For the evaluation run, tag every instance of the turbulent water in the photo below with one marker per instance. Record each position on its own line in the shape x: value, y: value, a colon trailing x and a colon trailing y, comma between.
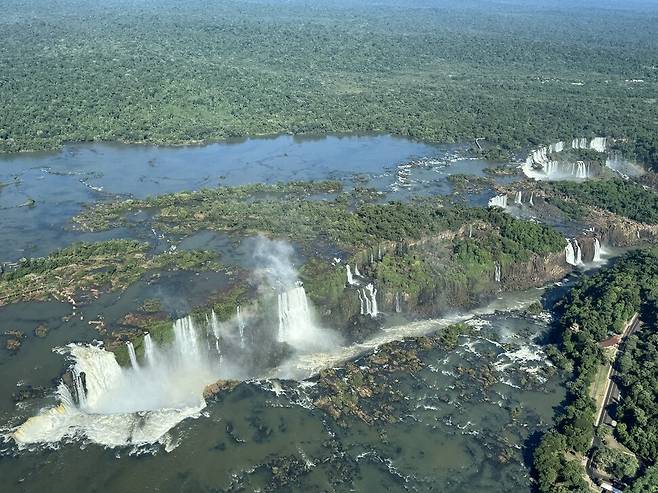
x: 450, y: 429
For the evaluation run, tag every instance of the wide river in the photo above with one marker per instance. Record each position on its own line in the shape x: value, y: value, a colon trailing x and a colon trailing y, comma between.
x: 456, y: 435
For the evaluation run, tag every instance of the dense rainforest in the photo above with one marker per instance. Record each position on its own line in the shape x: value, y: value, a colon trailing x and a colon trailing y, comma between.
x: 597, y: 307
x: 513, y: 74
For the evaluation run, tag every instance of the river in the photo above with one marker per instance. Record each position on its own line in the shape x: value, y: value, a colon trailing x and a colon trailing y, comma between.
x: 453, y: 433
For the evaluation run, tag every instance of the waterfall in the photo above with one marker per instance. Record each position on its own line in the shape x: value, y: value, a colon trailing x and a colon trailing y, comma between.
x: 397, y: 303
x: 579, y: 254
x: 241, y: 326
x: 597, y: 250
x: 350, y: 278
x: 470, y: 230
x: 518, y: 198
x: 294, y: 315
x: 570, y: 254
x: 540, y: 163
x: 531, y: 201
x: 573, y: 253
x: 356, y: 270
x: 132, y: 355
x: 599, y: 144
x: 379, y: 252
x: 497, y: 272
x: 368, y: 299
x: 498, y: 201
x: 149, y: 350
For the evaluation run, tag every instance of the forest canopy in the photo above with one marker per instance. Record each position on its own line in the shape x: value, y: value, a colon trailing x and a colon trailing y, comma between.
x: 515, y: 75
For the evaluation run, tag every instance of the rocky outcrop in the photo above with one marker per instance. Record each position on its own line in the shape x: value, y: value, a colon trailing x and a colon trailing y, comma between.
x: 617, y: 231
x: 537, y: 271
x: 213, y: 390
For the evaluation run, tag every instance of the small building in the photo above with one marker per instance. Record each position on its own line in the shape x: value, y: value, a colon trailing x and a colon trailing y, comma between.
x: 611, y: 342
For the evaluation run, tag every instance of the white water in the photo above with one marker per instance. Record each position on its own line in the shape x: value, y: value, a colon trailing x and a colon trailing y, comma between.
x: 356, y: 270
x: 570, y: 254
x: 150, y: 350
x: 599, y: 251
x: 498, y: 201
x: 540, y: 165
x: 573, y: 253
x: 497, y: 273
x: 398, y: 309
x: 518, y: 198
x: 368, y: 300
x: 350, y: 277
x: 308, y: 364
x: 132, y: 356
x: 128, y: 406
x: 241, y: 325
x: 579, y: 254
x: 531, y: 201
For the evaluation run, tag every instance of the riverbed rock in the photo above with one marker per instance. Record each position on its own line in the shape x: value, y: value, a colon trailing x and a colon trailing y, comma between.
x: 220, y: 386
x: 41, y: 331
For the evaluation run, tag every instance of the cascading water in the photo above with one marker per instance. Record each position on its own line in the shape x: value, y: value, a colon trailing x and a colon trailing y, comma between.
x: 132, y: 356
x: 241, y: 325
x: 579, y: 253
x: 117, y: 406
x: 497, y: 273
x: 541, y: 164
x: 294, y: 316
x: 368, y: 299
x: 350, y: 277
x: 570, y: 254
x: 398, y: 309
x: 531, y: 201
x: 597, y: 250
x: 150, y: 350
x: 518, y: 198
x: 573, y: 253
x: 356, y: 270
x: 599, y: 144
x: 498, y: 201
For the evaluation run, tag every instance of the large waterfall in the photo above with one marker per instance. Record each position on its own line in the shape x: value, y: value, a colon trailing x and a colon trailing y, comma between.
x: 540, y: 164
x: 115, y: 406
x: 295, y: 322
x: 518, y: 198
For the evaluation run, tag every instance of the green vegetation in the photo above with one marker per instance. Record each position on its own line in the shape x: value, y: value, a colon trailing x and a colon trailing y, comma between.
x: 638, y: 412
x: 108, y: 265
x: 625, y: 198
x: 286, y: 210
x: 615, y: 462
x: 426, y: 251
x: 595, y: 308
x: 513, y: 74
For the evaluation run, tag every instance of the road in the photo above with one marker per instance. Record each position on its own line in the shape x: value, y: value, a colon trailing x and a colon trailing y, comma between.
x: 611, y: 395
